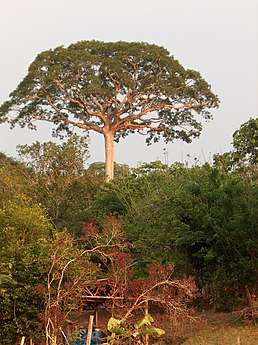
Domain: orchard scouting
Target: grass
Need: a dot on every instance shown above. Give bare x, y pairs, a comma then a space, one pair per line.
225, 335
211, 328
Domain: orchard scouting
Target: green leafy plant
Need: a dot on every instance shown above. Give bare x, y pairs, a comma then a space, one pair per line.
121, 331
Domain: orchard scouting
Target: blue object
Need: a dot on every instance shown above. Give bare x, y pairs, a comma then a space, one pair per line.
96, 337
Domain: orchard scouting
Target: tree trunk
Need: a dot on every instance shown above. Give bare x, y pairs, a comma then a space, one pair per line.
109, 154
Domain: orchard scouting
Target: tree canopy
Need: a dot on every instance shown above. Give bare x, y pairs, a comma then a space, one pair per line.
114, 89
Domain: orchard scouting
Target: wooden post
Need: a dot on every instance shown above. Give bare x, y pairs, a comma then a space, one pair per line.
22, 340
89, 335
96, 318
146, 311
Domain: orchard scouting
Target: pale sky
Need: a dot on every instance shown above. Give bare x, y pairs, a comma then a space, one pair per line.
218, 38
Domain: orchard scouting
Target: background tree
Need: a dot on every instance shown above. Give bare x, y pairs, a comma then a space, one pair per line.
245, 143
113, 89
4, 159
244, 156
59, 178
13, 181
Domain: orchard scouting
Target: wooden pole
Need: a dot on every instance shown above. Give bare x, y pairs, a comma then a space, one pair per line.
22, 340
89, 335
96, 318
146, 311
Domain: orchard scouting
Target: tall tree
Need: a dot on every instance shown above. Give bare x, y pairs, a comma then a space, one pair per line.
114, 89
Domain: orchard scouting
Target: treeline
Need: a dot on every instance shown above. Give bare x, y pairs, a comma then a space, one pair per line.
200, 219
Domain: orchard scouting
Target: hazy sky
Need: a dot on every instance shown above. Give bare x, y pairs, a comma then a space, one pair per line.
216, 37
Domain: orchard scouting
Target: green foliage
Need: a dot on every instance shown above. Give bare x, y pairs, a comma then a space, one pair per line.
98, 169
201, 219
23, 220
13, 182
53, 160
4, 159
122, 331
59, 179
113, 323
245, 143
244, 156
143, 202
24, 232
146, 321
